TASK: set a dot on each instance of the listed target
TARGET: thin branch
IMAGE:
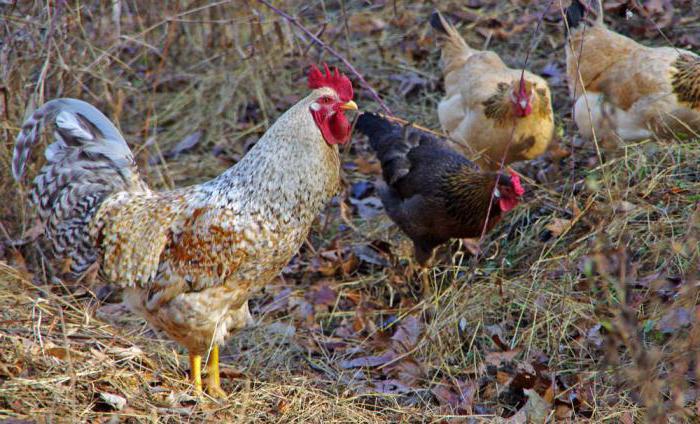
(294, 21)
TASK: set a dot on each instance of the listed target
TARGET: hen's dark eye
(325, 99)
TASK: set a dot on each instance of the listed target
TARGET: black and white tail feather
(88, 161)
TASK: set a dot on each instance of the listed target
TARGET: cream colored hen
(631, 91)
(487, 103)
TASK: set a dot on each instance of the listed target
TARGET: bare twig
(294, 21)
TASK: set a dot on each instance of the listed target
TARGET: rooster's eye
(325, 100)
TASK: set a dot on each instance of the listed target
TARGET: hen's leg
(196, 372)
(213, 379)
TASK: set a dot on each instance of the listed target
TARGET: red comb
(515, 180)
(335, 80)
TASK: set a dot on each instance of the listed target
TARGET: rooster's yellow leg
(196, 372)
(213, 378)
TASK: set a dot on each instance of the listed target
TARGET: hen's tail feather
(88, 161)
(391, 143)
(454, 45)
(576, 12)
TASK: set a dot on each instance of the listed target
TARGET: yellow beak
(349, 106)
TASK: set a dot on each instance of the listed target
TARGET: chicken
(629, 90)
(188, 259)
(432, 192)
(502, 113)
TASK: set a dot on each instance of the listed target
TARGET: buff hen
(626, 90)
(189, 259)
(502, 114)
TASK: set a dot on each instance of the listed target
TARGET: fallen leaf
(536, 409)
(458, 397)
(324, 295)
(499, 358)
(496, 333)
(280, 301)
(368, 361)
(57, 352)
(593, 335)
(365, 23)
(370, 255)
(281, 329)
(368, 207)
(116, 402)
(557, 226)
(361, 189)
(624, 207)
(407, 333)
(368, 166)
(674, 320)
(626, 418)
(408, 371)
(390, 387)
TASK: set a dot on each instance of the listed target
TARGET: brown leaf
(407, 333)
(324, 295)
(368, 208)
(626, 418)
(496, 333)
(280, 301)
(499, 358)
(557, 226)
(674, 320)
(459, 398)
(408, 371)
(57, 352)
(624, 206)
(368, 361)
(536, 409)
(365, 23)
(368, 166)
(390, 387)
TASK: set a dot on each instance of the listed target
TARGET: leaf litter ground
(583, 304)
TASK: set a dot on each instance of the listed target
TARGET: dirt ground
(582, 305)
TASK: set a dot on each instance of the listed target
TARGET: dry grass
(578, 281)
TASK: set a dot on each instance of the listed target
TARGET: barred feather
(87, 161)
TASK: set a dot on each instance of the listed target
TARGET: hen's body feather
(626, 89)
(189, 258)
(477, 110)
(433, 193)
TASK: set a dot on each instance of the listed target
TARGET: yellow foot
(214, 390)
(213, 379)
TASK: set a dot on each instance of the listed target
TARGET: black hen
(433, 193)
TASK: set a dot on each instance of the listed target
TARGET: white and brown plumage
(625, 89)
(487, 104)
(190, 258)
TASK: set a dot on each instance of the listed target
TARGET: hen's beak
(523, 104)
(349, 106)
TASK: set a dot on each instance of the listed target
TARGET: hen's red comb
(335, 80)
(515, 180)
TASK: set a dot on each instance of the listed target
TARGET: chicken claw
(213, 379)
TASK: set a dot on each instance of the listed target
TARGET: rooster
(629, 90)
(189, 259)
(502, 113)
(432, 192)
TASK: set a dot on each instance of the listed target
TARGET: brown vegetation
(583, 304)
